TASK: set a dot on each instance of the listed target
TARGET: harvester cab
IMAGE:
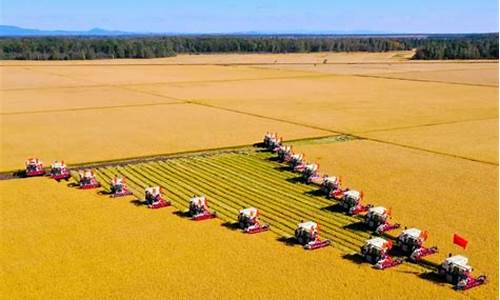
(198, 208)
(119, 187)
(351, 202)
(248, 220)
(88, 179)
(411, 242)
(377, 219)
(307, 234)
(455, 270)
(34, 167)
(59, 171)
(375, 251)
(154, 199)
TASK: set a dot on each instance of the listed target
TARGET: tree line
(69, 48)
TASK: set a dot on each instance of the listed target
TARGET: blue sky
(195, 16)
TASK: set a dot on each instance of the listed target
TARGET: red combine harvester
(34, 167)
(331, 186)
(198, 209)
(455, 270)
(351, 202)
(119, 187)
(307, 234)
(59, 171)
(248, 220)
(310, 174)
(377, 219)
(375, 251)
(88, 180)
(411, 242)
(154, 199)
(285, 153)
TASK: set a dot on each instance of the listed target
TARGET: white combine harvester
(285, 153)
(297, 162)
(411, 242)
(249, 221)
(310, 174)
(34, 167)
(331, 186)
(88, 179)
(198, 208)
(154, 199)
(272, 141)
(118, 187)
(351, 202)
(455, 270)
(307, 234)
(59, 171)
(377, 220)
(375, 251)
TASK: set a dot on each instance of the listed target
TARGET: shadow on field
(316, 193)
(289, 241)
(283, 168)
(182, 214)
(360, 226)
(273, 158)
(104, 193)
(73, 184)
(354, 257)
(231, 225)
(139, 202)
(295, 180)
(336, 208)
(432, 277)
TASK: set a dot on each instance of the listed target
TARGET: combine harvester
(310, 174)
(285, 153)
(351, 203)
(375, 251)
(88, 180)
(307, 234)
(198, 209)
(119, 187)
(331, 186)
(272, 142)
(411, 241)
(59, 171)
(34, 167)
(377, 220)
(455, 270)
(248, 220)
(297, 162)
(154, 199)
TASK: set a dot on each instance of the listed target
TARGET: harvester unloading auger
(154, 198)
(88, 179)
(307, 234)
(411, 243)
(59, 171)
(455, 270)
(249, 221)
(119, 187)
(34, 167)
(376, 252)
(198, 209)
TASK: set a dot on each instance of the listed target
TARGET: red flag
(460, 241)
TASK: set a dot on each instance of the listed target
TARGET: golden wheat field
(425, 144)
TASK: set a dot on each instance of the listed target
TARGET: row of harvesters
(410, 242)
(58, 169)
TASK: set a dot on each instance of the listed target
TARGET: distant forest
(477, 46)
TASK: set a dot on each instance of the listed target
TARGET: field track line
(357, 136)
(425, 80)
(429, 125)
(89, 108)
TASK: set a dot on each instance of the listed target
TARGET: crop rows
(233, 181)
